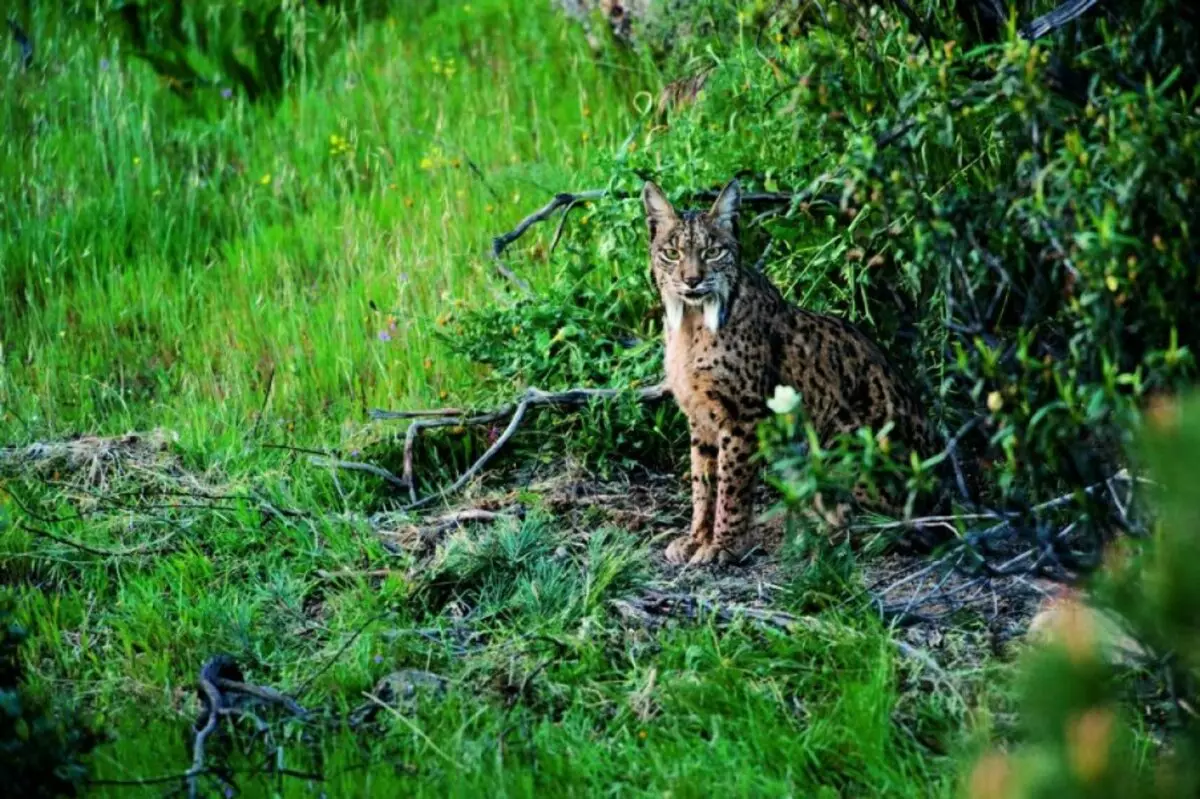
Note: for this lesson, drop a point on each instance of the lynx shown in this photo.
(731, 339)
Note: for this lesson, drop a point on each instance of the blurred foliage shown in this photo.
(1080, 733)
(42, 751)
(255, 48)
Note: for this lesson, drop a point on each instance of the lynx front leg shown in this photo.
(736, 477)
(704, 489)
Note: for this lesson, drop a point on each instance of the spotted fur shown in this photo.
(731, 338)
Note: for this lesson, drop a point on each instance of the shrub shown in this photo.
(41, 752)
(1081, 736)
(1014, 222)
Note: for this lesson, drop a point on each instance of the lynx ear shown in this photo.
(659, 212)
(725, 210)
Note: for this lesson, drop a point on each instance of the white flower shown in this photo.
(785, 400)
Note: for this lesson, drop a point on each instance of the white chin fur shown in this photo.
(710, 307)
(712, 313)
(674, 312)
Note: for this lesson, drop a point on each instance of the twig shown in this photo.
(356, 466)
(141, 549)
(1053, 20)
(659, 603)
(532, 398)
(212, 698)
(439, 412)
(266, 401)
(501, 242)
(328, 664)
(410, 440)
(352, 574)
(263, 692)
(301, 450)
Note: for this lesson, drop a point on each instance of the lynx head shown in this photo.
(693, 254)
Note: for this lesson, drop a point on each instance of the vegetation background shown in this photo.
(238, 229)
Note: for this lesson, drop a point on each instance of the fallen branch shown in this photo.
(1055, 19)
(515, 413)
(220, 676)
(357, 466)
(142, 549)
(419, 538)
(354, 574)
(657, 603)
(501, 242)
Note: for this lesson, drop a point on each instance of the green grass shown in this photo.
(227, 275)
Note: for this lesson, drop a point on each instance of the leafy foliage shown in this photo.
(1080, 737)
(1025, 251)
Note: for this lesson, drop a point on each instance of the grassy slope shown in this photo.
(158, 267)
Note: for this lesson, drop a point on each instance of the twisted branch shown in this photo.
(533, 398)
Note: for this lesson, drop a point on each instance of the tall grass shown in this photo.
(160, 264)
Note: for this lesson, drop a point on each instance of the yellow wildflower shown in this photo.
(265, 179)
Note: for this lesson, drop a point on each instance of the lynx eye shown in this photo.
(670, 255)
(713, 253)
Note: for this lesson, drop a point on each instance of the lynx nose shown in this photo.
(693, 280)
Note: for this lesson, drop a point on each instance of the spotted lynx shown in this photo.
(731, 338)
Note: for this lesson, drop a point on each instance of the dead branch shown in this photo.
(211, 696)
(501, 242)
(1055, 19)
(569, 200)
(419, 538)
(354, 574)
(656, 603)
(533, 398)
(142, 549)
(264, 693)
(218, 677)
(357, 466)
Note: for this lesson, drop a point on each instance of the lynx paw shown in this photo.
(680, 550)
(711, 553)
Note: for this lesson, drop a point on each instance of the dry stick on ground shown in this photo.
(515, 413)
(212, 685)
(419, 538)
(356, 466)
(143, 549)
(657, 603)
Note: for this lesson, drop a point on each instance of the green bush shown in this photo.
(1081, 735)
(1013, 221)
(41, 752)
